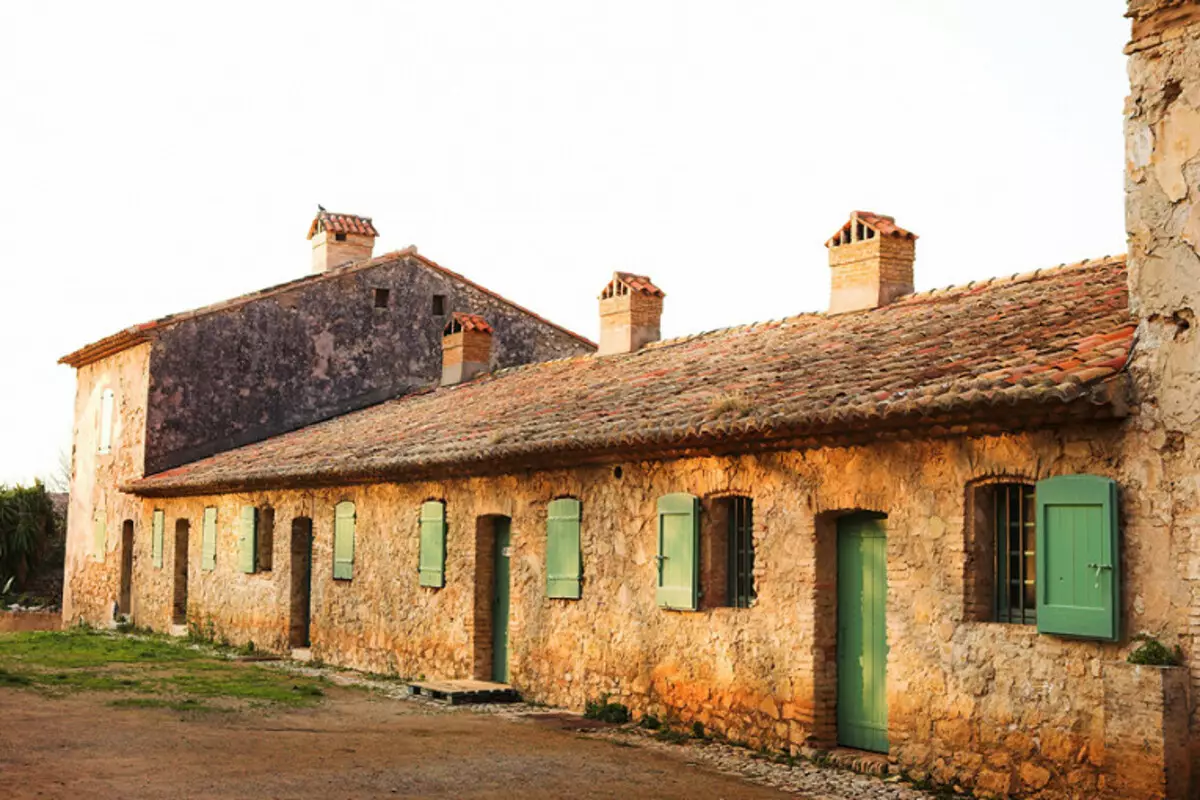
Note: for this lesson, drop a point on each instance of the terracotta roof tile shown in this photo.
(931, 359)
(461, 321)
(639, 283)
(341, 223)
(883, 225)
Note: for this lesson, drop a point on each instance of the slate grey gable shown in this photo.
(318, 348)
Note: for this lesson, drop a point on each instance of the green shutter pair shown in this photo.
(208, 540)
(344, 519)
(247, 539)
(431, 561)
(99, 534)
(1078, 558)
(564, 563)
(678, 545)
(156, 538)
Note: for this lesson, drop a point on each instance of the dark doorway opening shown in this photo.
(301, 605)
(493, 547)
(124, 605)
(179, 608)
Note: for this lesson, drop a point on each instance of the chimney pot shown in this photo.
(466, 348)
(339, 239)
(630, 313)
(871, 262)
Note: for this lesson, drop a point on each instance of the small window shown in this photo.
(1016, 553)
(266, 538)
(156, 537)
(1002, 554)
(106, 420)
(727, 554)
(339, 237)
(382, 296)
(439, 305)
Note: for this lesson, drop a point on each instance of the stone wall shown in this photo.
(91, 587)
(1162, 134)
(990, 705)
(315, 351)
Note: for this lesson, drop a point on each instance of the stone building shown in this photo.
(923, 524)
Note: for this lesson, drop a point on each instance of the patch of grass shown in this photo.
(83, 648)
(189, 704)
(84, 660)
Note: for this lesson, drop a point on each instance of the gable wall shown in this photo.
(290, 359)
(990, 705)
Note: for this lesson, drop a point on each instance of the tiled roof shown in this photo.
(998, 355)
(128, 337)
(883, 225)
(639, 283)
(461, 321)
(341, 223)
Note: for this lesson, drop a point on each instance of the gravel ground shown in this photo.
(798, 776)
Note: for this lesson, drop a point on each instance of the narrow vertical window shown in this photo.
(1016, 554)
(741, 552)
(265, 543)
(439, 305)
(106, 421)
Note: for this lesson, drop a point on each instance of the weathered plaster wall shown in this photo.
(316, 351)
(990, 705)
(1162, 133)
(91, 587)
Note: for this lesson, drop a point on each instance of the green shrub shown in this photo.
(650, 722)
(1155, 653)
(698, 730)
(606, 711)
(29, 527)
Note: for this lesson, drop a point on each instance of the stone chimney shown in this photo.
(630, 311)
(870, 262)
(466, 348)
(340, 239)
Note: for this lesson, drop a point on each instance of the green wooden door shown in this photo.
(500, 601)
(862, 633)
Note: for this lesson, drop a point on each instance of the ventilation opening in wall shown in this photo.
(339, 237)
(381, 298)
(439, 305)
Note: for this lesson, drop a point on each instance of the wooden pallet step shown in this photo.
(463, 692)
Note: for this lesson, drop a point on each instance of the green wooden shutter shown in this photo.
(99, 534)
(432, 558)
(564, 566)
(208, 540)
(156, 539)
(678, 544)
(343, 540)
(247, 538)
(1078, 569)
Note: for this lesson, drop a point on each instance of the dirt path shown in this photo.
(352, 745)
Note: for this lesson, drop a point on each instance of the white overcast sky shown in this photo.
(156, 157)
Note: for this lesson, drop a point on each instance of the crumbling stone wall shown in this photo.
(993, 706)
(316, 351)
(90, 586)
(1162, 133)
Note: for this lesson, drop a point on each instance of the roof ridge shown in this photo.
(1003, 280)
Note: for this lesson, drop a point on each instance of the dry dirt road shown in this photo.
(352, 745)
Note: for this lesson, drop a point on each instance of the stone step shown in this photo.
(302, 654)
(461, 692)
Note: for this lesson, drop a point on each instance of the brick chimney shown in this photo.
(870, 262)
(339, 239)
(630, 311)
(466, 348)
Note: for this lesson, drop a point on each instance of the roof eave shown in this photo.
(1105, 400)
